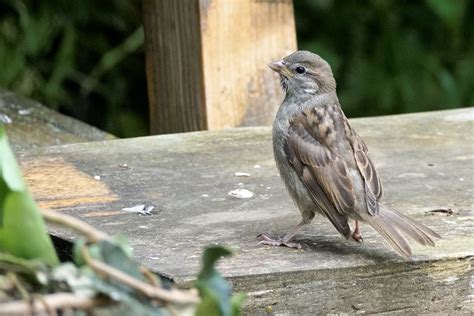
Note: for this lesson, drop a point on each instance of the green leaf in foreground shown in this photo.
(22, 229)
(214, 290)
(9, 172)
(23, 233)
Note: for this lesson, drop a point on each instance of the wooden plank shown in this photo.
(30, 124)
(425, 160)
(207, 61)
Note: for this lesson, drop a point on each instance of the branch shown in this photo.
(153, 292)
(52, 302)
(92, 234)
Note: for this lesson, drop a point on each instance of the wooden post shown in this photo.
(207, 61)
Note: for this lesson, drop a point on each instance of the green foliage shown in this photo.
(83, 58)
(22, 230)
(393, 56)
(216, 292)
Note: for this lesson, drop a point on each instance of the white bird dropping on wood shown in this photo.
(242, 174)
(241, 193)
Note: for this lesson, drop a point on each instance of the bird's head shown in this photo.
(304, 73)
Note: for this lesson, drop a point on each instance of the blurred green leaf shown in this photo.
(10, 174)
(22, 230)
(449, 11)
(111, 58)
(114, 255)
(214, 290)
(23, 233)
(63, 66)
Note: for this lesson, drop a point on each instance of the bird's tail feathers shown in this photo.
(394, 226)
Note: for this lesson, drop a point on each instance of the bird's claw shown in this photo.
(357, 237)
(265, 240)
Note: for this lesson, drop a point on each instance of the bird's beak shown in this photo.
(279, 67)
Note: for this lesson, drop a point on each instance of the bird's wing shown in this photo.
(323, 171)
(373, 185)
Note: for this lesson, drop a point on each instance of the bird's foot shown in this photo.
(356, 235)
(265, 240)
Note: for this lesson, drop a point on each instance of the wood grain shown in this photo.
(207, 61)
(173, 66)
(239, 40)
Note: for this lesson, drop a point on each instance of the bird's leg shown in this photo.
(285, 241)
(356, 235)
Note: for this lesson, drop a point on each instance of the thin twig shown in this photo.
(50, 310)
(150, 276)
(92, 234)
(19, 286)
(54, 301)
(153, 292)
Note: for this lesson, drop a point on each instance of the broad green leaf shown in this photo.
(114, 255)
(22, 230)
(23, 233)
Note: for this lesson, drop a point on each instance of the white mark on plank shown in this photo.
(140, 209)
(241, 193)
(411, 175)
(24, 111)
(241, 174)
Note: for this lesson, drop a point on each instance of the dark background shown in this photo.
(86, 59)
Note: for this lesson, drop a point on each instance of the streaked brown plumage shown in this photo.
(325, 163)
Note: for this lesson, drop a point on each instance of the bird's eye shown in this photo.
(300, 70)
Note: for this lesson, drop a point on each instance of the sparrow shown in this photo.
(325, 164)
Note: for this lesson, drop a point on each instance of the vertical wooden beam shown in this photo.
(239, 39)
(207, 61)
(173, 66)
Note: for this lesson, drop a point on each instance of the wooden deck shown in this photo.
(426, 162)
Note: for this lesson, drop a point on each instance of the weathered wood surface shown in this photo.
(207, 61)
(425, 161)
(30, 124)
